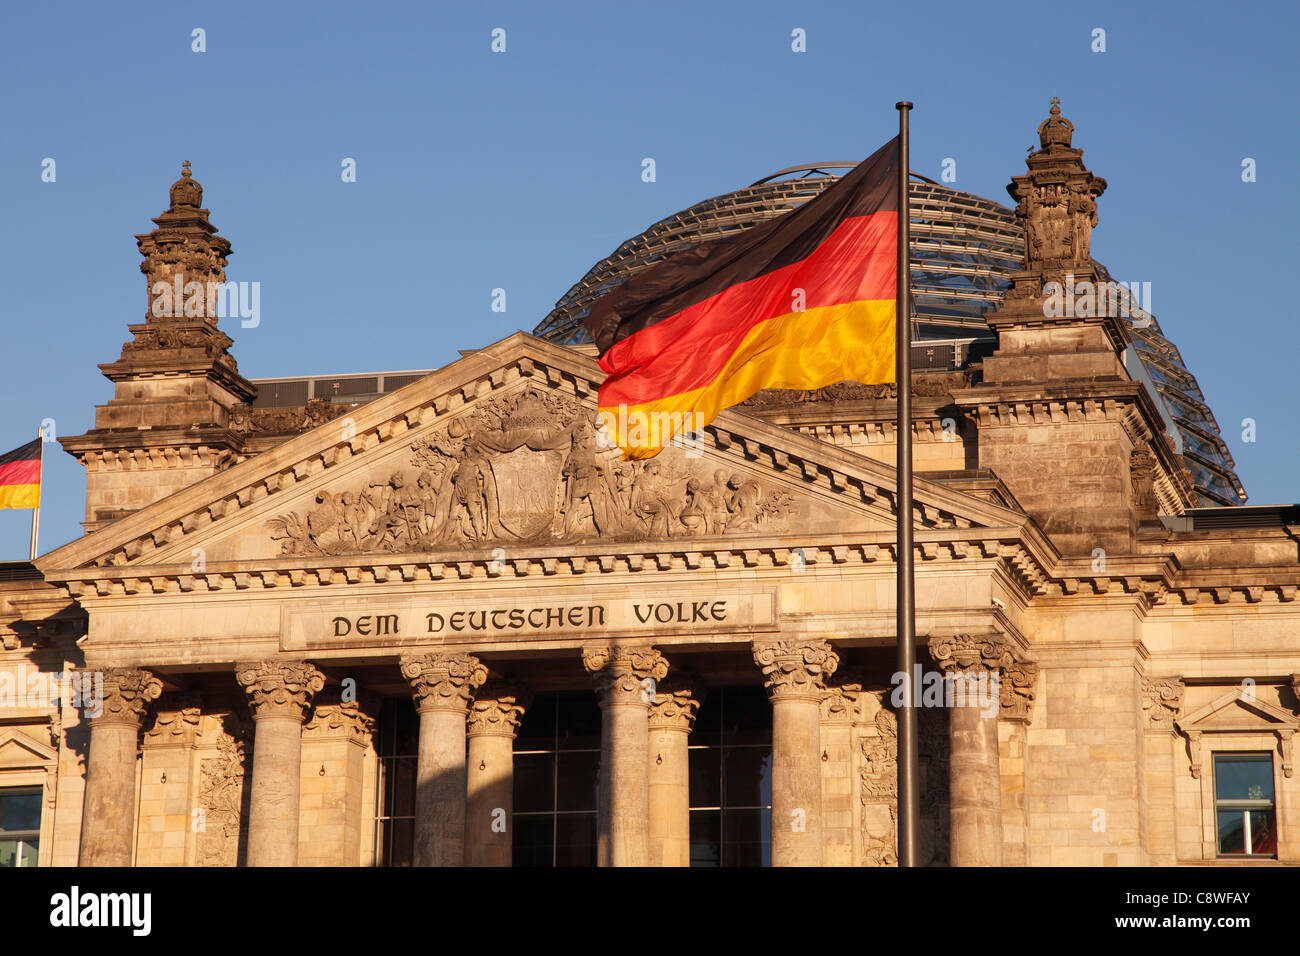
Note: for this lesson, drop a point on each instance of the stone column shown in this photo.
(626, 679)
(972, 667)
(108, 814)
(794, 673)
(493, 721)
(279, 694)
(334, 744)
(168, 788)
(672, 716)
(442, 685)
(1016, 693)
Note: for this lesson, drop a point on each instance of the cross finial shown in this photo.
(1056, 106)
(185, 169)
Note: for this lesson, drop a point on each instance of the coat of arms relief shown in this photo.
(529, 467)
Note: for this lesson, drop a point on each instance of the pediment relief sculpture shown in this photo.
(529, 467)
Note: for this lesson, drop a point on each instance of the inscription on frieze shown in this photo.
(434, 621)
(529, 468)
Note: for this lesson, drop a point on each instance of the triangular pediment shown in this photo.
(498, 451)
(1238, 710)
(18, 751)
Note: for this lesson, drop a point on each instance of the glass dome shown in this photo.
(964, 249)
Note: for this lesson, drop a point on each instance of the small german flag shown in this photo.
(20, 476)
(801, 301)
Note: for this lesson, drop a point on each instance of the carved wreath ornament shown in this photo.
(528, 468)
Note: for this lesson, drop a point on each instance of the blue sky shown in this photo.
(478, 170)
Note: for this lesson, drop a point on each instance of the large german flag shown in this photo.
(20, 477)
(801, 301)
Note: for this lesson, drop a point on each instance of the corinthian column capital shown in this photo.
(497, 709)
(625, 674)
(677, 700)
(971, 652)
(279, 688)
(795, 670)
(128, 691)
(1016, 694)
(443, 681)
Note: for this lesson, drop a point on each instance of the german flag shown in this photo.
(20, 477)
(801, 301)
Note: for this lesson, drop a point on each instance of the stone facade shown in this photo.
(255, 600)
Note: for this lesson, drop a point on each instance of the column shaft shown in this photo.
(796, 783)
(273, 803)
(279, 694)
(442, 685)
(971, 665)
(493, 721)
(672, 716)
(440, 790)
(974, 788)
(488, 830)
(108, 813)
(670, 797)
(625, 679)
(624, 811)
(795, 673)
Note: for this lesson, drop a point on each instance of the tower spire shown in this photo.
(168, 422)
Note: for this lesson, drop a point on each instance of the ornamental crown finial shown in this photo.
(186, 191)
(1056, 130)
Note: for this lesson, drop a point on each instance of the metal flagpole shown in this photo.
(909, 797)
(40, 482)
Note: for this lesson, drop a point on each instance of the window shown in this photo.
(398, 746)
(731, 779)
(20, 826)
(557, 773)
(1246, 819)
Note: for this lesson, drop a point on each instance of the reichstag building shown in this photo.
(427, 618)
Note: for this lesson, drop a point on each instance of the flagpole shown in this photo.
(40, 481)
(909, 797)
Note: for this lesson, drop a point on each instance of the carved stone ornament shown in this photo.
(879, 789)
(968, 652)
(340, 720)
(127, 694)
(625, 674)
(1057, 201)
(795, 670)
(1162, 700)
(443, 681)
(247, 420)
(497, 709)
(1142, 474)
(676, 703)
(279, 688)
(175, 722)
(842, 701)
(221, 790)
(528, 468)
(1016, 691)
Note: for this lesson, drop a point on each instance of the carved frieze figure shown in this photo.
(531, 468)
(742, 504)
(879, 790)
(587, 485)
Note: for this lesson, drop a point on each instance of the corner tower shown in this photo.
(168, 422)
(1081, 444)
